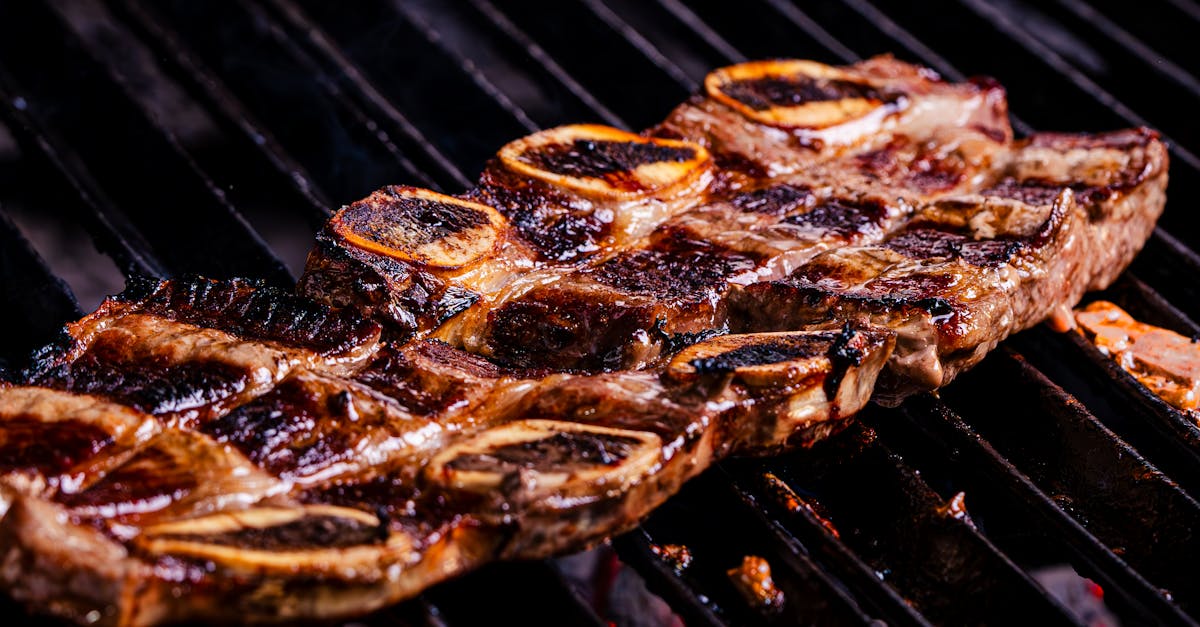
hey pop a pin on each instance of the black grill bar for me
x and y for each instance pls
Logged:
(57, 77)
(857, 493)
(805, 23)
(1088, 470)
(1114, 34)
(212, 92)
(519, 593)
(706, 33)
(643, 45)
(110, 228)
(347, 157)
(1020, 518)
(400, 84)
(539, 55)
(32, 299)
(626, 81)
(1064, 68)
(352, 83)
(710, 519)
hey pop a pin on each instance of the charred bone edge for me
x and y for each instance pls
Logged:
(687, 161)
(420, 226)
(811, 115)
(73, 571)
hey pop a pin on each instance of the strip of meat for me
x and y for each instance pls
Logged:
(189, 350)
(533, 366)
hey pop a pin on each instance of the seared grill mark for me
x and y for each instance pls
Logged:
(402, 222)
(28, 444)
(251, 311)
(309, 532)
(843, 218)
(676, 270)
(929, 243)
(778, 200)
(559, 451)
(763, 353)
(550, 331)
(603, 158)
(1030, 191)
(152, 388)
(761, 94)
(558, 227)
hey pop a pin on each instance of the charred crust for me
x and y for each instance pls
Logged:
(556, 226)
(604, 159)
(675, 268)
(309, 532)
(566, 333)
(251, 311)
(675, 342)
(287, 432)
(842, 217)
(406, 298)
(560, 450)
(762, 353)
(148, 387)
(424, 220)
(766, 92)
(930, 243)
(778, 200)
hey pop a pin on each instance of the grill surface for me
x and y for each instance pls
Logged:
(248, 121)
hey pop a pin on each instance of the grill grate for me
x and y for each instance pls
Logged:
(303, 105)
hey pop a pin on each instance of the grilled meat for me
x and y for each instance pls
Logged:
(534, 365)
(1167, 363)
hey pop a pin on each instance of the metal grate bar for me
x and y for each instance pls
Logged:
(351, 82)
(643, 45)
(703, 589)
(551, 66)
(204, 85)
(1001, 21)
(853, 496)
(1148, 57)
(32, 299)
(349, 156)
(637, 549)
(63, 79)
(701, 28)
(1025, 522)
(628, 82)
(1091, 473)
(112, 230)
(814, 30)
(467, 132)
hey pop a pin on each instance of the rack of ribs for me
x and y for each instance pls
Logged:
(532, 366)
